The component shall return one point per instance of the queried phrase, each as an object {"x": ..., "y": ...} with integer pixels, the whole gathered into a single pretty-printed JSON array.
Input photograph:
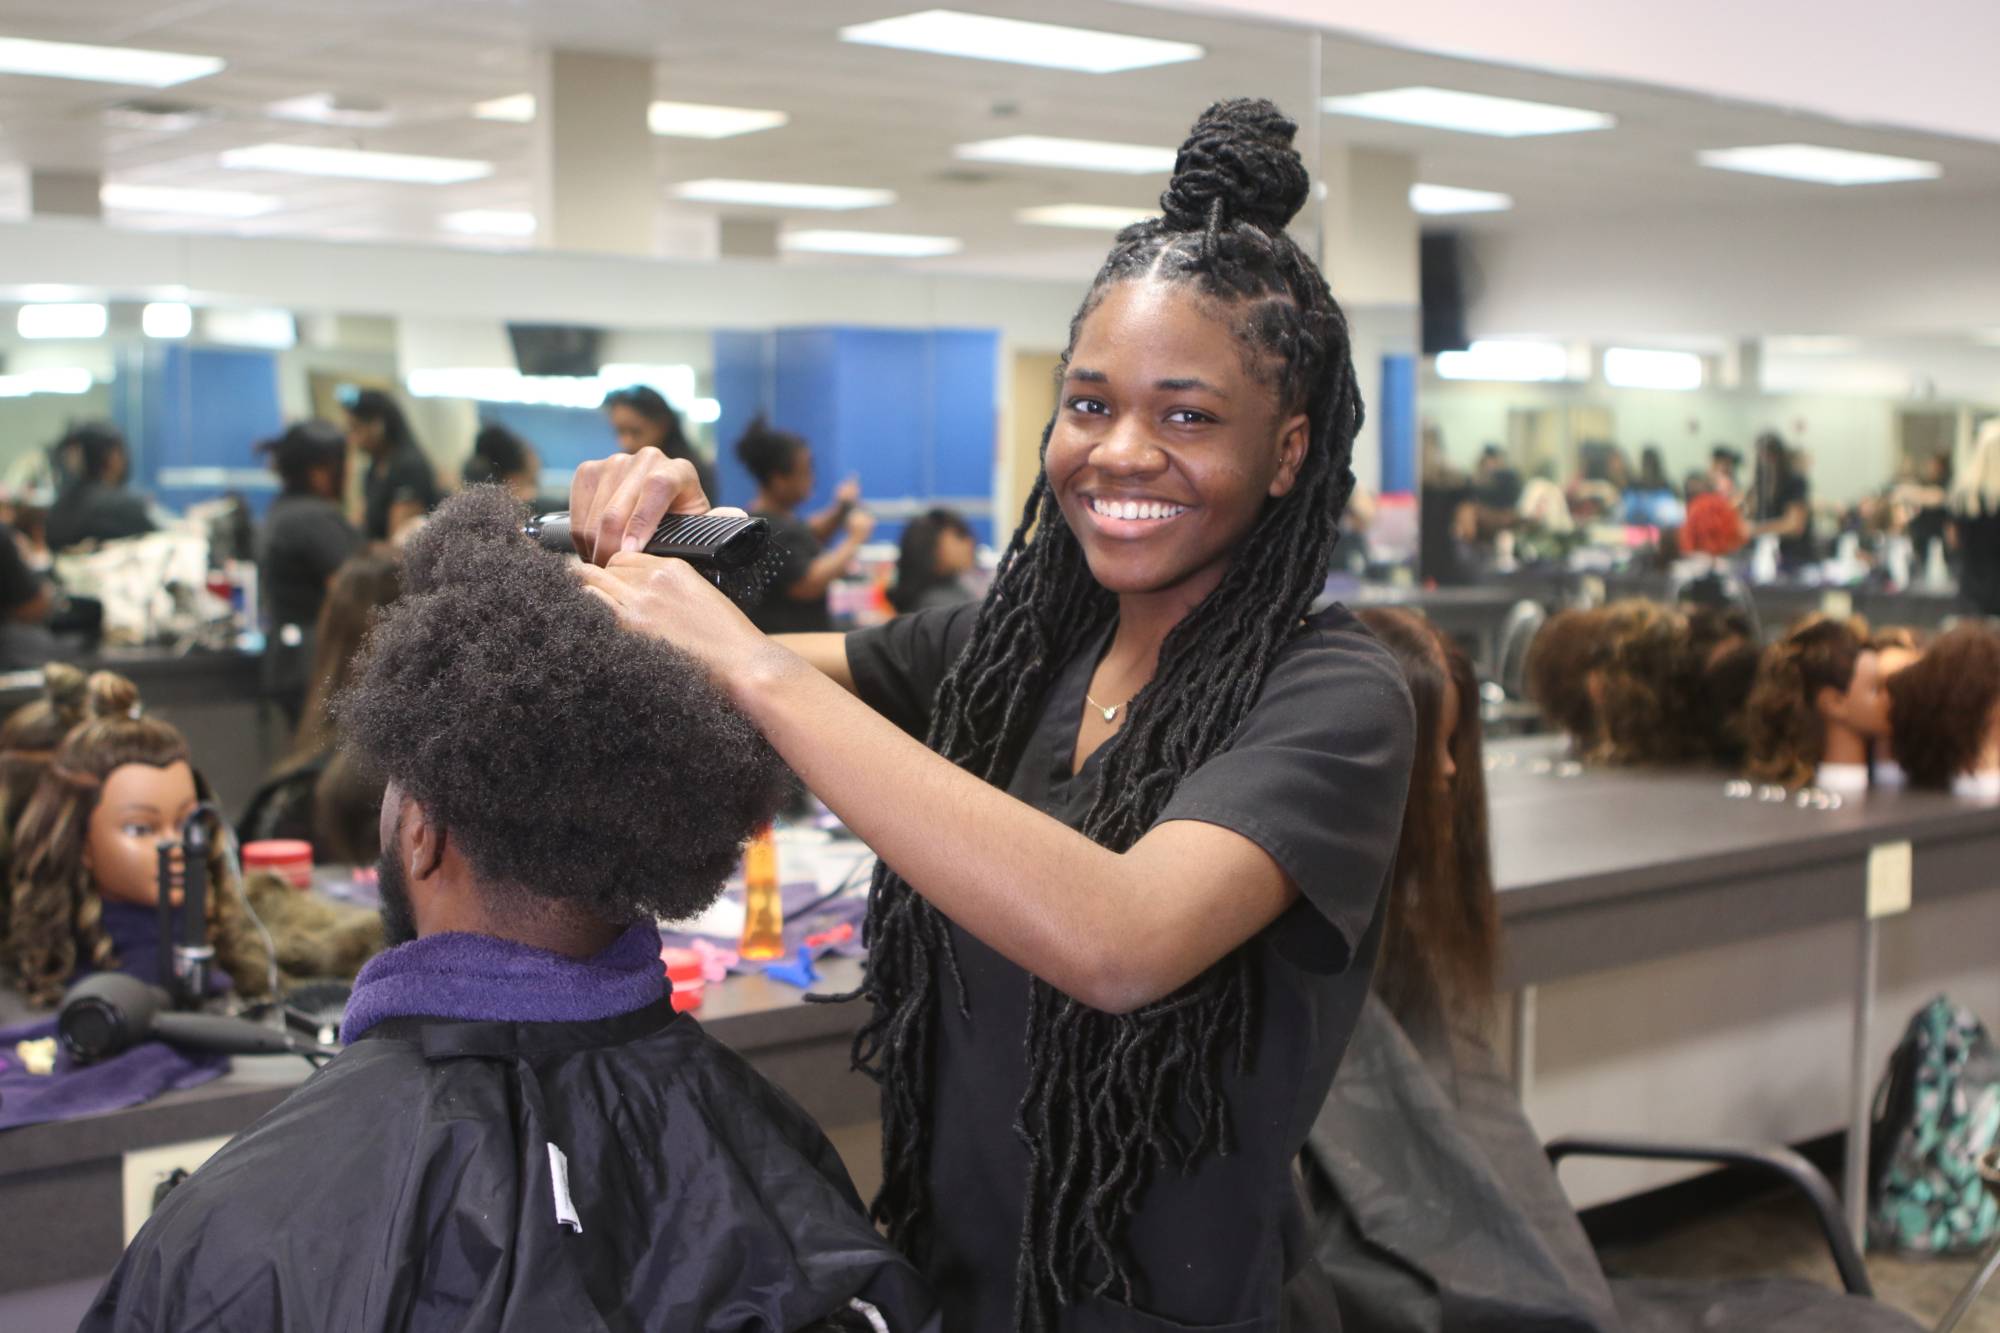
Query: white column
[
  {"x": 1369, "y": 256},
  {"x": 595, "y": 185}
]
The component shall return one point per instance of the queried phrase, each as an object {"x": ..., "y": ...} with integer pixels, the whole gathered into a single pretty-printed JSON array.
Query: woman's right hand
[{"x": 616, "y": 503}]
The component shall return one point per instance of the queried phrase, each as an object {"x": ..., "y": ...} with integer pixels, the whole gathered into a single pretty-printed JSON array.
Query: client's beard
[{"x": 399, "y": 924}]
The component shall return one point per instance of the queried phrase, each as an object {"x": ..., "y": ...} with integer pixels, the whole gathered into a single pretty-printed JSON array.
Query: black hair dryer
[{"x": 187, "y": 959}]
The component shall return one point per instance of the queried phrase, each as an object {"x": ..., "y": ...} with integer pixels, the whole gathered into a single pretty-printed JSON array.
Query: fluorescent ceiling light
[
  {"x": 489, "y": 222},
  {"x": 193, "y": 203},
  {"x": 1435, "y": 200},
  {"x": 946, "y": 32},
  {"x": 250, "y": 328},
  {"x": 1523, "y": 362},
  {"x": 167, "y": 319},
  {"x": 355, "y": 163},
  {"x": 103, "y": 64},
  {"x": 74, "y": 320},
  {"x": 1085, "y": 217},
  {"x": 693, "y": 120},
  {"x": 48, "y": 379},
  {"x": 327, "y": 109},
  {"x": 1821, "y": 166},
  {"x": 1035, "y": 150},
  {"x": 1643, "y": 368},
  {"x": 1468, "y": 113},
  {"x": 886, "y": 244},
  {"x": 1810, "y": 344},
  {"x": 677, "y": 120},
  {"x": 518, "y": 108},
  {"x": 782, "y": 194},
  {"x": 504, "y": 384}
]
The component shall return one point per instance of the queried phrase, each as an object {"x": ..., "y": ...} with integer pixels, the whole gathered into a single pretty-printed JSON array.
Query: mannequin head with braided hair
[{"x": 1194, "y": 474}]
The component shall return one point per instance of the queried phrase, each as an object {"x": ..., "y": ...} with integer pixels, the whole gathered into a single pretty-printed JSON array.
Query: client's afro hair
[{"x": 573, "y": 760}]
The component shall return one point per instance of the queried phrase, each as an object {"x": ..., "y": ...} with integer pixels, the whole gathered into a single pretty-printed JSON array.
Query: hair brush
[{"x": 733, "y": 552}]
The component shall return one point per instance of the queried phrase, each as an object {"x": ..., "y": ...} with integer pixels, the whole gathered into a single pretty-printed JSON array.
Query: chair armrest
[{"x": 1781, "y": 1163}]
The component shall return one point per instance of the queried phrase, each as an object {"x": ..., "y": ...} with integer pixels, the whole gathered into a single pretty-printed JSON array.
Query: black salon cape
[{"x": 408, "y": 1185}]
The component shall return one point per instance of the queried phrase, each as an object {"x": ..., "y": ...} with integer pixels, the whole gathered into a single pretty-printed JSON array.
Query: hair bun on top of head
[
  {"x": 111, "y": 695},
  {"x": 1239, "y": 155},
  {"x": 67, "y": 691}
]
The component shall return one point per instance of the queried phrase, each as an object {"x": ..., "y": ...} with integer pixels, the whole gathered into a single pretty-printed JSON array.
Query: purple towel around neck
[{"x": 484, "y": 979}]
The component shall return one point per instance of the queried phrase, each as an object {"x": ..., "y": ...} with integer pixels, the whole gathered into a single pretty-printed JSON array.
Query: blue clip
[{"x": 801, "y": 974}]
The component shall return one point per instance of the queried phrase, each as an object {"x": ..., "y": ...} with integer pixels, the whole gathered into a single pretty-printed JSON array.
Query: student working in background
[
  {"x": 305, "y": 539},
  {"x": 400, "y": 485},
  {"x": 96, "y": 507},
  {"x": 782, "y": 465},
  {"x": 641, "y": 417}
]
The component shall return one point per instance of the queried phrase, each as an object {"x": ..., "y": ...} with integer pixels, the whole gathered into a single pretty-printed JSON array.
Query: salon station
[{"x": 583, "y": 558}]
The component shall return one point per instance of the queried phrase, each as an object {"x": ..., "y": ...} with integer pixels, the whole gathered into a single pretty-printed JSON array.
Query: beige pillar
[
  {"x": 747, "y": 238},
  {"x": 1370, "y": 261},
  {"x": 594, "y": 179}
]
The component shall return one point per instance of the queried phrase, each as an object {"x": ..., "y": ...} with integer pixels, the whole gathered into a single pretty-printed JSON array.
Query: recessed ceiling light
[
  {"x": 516, "y": 107},
  {"x": 782, "y": 194},
  {"x": 355, "y": 163},
  {"x": 70, "y": 320},
  {"x": 1645, "y": 368},
  {"x": 45, "y": 379},
  {"x": 103, "y": 64},
  {"x": 167, "y": 319},
  {"x": 327, "y": 109},
  {"x": 946, "y": 32},
  {"x": 251, "y": 328},
  {"x": 1085, "y": 217},
  {"x": 693, "y": 120},
  {"x": 489, "y": 222},
  {"x": 1035, "y": 150},
  {"x": 1523, "y": 362},
  {"x": 1821, "y": 166},
  {"x": 1436, "y": 200},
  {"x": 880, "y": 243},
  {"x": 120, "y": 197},
  {"x": 1469, "y": 113}
]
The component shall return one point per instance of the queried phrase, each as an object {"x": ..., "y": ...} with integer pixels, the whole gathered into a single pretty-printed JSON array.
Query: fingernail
[{"x": 631, "y": 543}]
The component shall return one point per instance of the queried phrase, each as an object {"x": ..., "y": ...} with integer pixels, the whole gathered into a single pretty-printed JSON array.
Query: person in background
[
  {"x": 1723, "y": 465},
  {"x": 502, "y": 458},
  {"x": 782, "y": 465},
  {"x": 306, "y": 538},
  {"x": 1650, "y": 500},
  {"x": 1975, "y": 521},
  {"x": 96, "y": 507},
  {"x": 1497, "y": 484},
  {"x": 26, "y": 598},
  {"x": 938, "y": 550},
  {"x": 1447, "y": 520},
  {"x": 641, "y": 417},
  {"x": 400, "y": 486},
  {"x": 1925, "y": 503},
  {"x": 1780, "y": 502}
]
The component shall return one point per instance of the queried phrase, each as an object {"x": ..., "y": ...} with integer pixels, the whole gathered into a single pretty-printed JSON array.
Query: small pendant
[{"x": 1111, "y": 713}]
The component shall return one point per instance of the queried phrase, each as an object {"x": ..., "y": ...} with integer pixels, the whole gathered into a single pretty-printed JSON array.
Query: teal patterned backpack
[{"x": 1936, "y": 1113}]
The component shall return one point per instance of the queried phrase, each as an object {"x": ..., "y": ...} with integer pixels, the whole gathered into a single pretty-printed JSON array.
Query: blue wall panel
[
  {"x": 205, "y": 409},
  {"x": 1397, "y": 412}
]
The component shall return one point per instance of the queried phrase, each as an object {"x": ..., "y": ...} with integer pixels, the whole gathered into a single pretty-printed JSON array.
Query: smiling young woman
[{"x": 1131, "y": 877}]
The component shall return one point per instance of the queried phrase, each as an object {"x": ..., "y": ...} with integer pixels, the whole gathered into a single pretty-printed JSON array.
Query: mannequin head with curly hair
[
  {"x": 551, "y": 776},
  {"x": 1944, "y": 708},
  {"x": 1817, "y": 700},
  {"x": 1558, "y": 673},
  {"x": 117, "y": 785},
  {"x": 28, "y": 741},
  {"x": 1641, "y": 683}
]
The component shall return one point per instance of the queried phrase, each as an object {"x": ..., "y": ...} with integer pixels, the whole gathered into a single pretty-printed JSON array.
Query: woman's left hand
[{"x": 669, "y": 600}]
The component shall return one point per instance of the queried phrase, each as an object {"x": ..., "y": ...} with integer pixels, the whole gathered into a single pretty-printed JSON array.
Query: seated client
[{"x": 521, "y": 1133}]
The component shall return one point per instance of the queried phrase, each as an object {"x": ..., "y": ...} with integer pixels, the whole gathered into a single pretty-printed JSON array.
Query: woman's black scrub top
[{"x": 1315, "y": 776}]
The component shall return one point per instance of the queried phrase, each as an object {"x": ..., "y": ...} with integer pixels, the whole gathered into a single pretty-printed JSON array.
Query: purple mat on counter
[
  {"x": 137, "y": 1075},
  {"x": 846, "y": 910}
]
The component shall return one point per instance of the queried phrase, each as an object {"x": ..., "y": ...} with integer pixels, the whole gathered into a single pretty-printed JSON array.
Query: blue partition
[
  {"x": 202, "y": 412},
  {"x": 1396, "y": 410},
  {"x": 912, "y": 413}
]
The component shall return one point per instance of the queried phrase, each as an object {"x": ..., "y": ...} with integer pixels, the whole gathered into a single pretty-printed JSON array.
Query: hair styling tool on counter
[
  {"x": 187, "y": 959},
  {"x": 735, "y": 553},
  {"x": 107, "y": 1012}
]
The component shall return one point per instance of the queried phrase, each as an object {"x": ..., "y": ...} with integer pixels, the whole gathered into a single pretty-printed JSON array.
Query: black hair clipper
[
  {"x": 712, "y": 543},
  {"x": 734, "y": 553}
]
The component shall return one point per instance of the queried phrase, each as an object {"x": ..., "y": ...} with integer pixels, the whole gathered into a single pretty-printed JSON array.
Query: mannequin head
[
  {"x": 1945, "y": 708},
  {"x": 1641, "y": 684},
  {"x": 117, "y": 785},
  {"x": 30, "y": 735},
  {"x": 1440, "y": 943},
  {"x": 1814, "y": 701},
  {"x": 1896, "y": 647},
  {"x": 1722, "y": 657},
  {"x": 1558, "y": 671}
]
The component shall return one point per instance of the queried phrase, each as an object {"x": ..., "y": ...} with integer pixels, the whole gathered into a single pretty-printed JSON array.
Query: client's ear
[{"x": 422, "y": 841}]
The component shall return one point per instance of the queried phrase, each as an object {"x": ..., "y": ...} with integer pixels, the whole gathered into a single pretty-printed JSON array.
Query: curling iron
[{"x": 187, "y": 959}]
